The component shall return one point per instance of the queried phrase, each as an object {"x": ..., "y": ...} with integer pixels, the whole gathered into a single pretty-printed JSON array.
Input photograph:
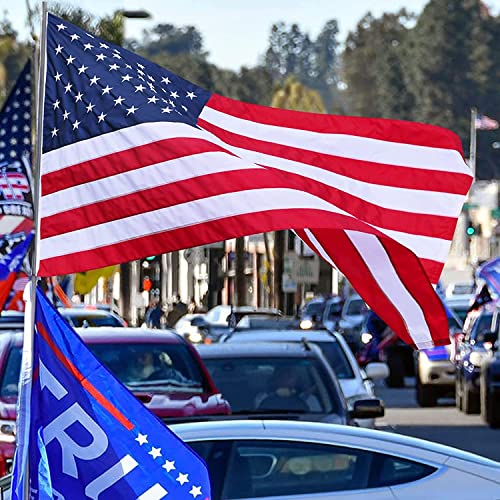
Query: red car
[{"x": 163, "y": 370}]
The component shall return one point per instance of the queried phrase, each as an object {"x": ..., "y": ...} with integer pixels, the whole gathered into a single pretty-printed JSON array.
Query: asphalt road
[{"x": 442, "y": 424}]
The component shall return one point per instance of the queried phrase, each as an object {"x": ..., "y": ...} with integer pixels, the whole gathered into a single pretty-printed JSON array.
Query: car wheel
[
  {"x": 396, "y": 366},
  {"x": 426, "y": 394},
  {"x": 470, "y": 401}
]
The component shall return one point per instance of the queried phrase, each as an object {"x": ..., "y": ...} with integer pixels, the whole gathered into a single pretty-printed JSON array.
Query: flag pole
[
  {"x": 24, "y": 405},
  {"x": 473, "y": 146}
]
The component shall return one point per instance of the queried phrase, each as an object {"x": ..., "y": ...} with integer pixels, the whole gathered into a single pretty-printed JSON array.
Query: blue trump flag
[
  {"x": 490, "y": 272},
  {"x": 89, "y": 437}
]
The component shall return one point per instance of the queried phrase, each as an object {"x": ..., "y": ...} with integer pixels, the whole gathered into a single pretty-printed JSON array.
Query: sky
[{"x": 235, "y": 32}]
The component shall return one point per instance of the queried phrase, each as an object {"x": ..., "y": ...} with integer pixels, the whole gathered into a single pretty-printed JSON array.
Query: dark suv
[
  {"x": 282, "y": 380},
  {"x": 471, "y": 352}
]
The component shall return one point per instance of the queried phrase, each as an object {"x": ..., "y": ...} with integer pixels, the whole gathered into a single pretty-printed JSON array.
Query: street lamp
[{"x": 135, "y": 14}]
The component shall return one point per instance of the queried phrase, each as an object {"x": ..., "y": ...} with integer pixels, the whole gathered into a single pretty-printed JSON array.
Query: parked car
[
  {"x": 434, "y": 368},
  {"x": 287, "y": 380},
  {"x": 470, "y": 355},
  {"x": 186, "y": 329},
  {"x": 352, "y": 317},
  {"x": 309, "y": 461},
  {"x": 91, "y": 316},
  {"x": 355, "y": 382},
  {"x": 163, "y": 370},
  {"x": 223, "y": 318}
]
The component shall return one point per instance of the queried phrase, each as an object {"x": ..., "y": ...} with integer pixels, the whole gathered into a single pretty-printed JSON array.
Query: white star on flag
[
  {"x": 155, "y": 452},
  {"x": 195, "y": 491},
  {"x": 142, "y": 439},
  {"x": 182, "y": 478},
  {"x": 169, "y": 465}
]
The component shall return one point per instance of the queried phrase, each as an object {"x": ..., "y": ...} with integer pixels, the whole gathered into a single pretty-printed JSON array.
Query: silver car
[{"x": 311, "y": 461}]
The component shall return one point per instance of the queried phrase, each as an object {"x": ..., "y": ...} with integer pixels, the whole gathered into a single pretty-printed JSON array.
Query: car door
[{"x": 269, "y": 469}]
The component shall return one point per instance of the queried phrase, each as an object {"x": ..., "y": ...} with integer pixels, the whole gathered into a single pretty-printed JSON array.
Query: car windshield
[
  {"x": 337, "y": 359},
  {"x": 274, "y": 385},
  {"x": 152, "y": 366},
  {"x": 93, "y": 320},
  {"x": 313, "y": 309},
  {"x": 482, "y": 325},
  {"x": 355, "y": 307}
]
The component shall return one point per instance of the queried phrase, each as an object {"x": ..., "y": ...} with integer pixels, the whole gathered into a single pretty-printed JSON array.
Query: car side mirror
[
  {"x": 367, "y": 408},
  {"x": 198, "y": 321},
  {"x": 377, "y": 371}
]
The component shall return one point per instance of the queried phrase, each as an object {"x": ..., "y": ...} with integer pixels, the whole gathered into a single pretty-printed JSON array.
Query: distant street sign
[
  {"x": 495, "y": 213},
  {"x": 468, "y": 206}
]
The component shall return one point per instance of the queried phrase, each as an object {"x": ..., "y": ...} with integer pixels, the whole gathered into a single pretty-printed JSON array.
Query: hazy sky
[{"x": 235, "y": 32}]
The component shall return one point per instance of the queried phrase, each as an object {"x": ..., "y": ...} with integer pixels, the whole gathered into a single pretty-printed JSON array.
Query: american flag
[
  {"x": 484, "y": 122},
  {"x": 137, "y": 161},
  {"x": 16, "y": 206}
]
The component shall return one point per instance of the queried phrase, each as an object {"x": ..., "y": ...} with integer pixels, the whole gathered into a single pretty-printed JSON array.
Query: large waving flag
[
  {"x": 137, "y": 161},
  {"x": 13, "y": 250},
  {"x": 87, "y": 436},
  {"x": 16, "y": 204}
]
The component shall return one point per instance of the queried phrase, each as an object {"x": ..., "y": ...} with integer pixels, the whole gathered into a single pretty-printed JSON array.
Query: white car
[
  {"x": 355, "y": 382},
  {"x": 283, "y": 460},
  {"x": 185, "y": 329}
]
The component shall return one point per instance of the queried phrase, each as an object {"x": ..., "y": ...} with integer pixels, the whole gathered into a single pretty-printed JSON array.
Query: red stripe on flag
[
  {"x": 124, "y": 161},
  {"x": 371, "y": 172},
  {"x": 400, "y": 131},
  {"x": 105, "y": 403}
]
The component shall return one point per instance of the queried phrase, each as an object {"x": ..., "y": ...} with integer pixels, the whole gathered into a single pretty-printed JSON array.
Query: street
[{"x": 443, "y": 424}]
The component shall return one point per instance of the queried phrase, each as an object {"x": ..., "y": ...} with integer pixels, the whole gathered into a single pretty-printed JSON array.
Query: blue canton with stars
[
  {"x": 94, "y": 87},
  {"x": 15, "y": 149},
  {"x": 89, "y": 436}
]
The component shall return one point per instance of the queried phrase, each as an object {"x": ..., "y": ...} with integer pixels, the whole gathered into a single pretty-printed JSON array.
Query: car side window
[
  {"x": 391, "y": 471},
  {"x": 281, "y": 468},
  {"x": 215, "y": 454}
]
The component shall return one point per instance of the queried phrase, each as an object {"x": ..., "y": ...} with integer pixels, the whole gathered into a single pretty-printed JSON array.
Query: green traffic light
[
  {"x": 151, "y": 257},
  {"x": 470, "y": 231}
]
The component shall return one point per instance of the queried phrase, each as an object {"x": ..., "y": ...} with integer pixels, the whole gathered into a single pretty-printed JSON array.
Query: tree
[
  {"x": 313, "y": 63},
  {"x": 373, "y": 67}
]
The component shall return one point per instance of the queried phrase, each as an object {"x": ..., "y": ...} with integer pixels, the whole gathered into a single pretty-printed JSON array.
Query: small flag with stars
[
  {"x": 87, "y": 436},
  {"x": 15, "y": 149}
]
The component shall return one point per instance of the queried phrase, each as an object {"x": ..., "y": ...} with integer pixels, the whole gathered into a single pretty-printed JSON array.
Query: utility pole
[
  {"x": 240, "y": 281},
  {"x": 278, "y": 257}
]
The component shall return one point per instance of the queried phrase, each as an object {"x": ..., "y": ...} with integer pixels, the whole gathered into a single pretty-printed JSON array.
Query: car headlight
[
  {"x": 366, "y": 337},
  {"x": 306, "y": 324},
  {"x": 195, "y": 337},
  {"x": 7, "y": 431}
]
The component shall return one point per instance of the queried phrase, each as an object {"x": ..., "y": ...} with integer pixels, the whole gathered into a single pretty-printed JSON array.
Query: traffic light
[{"x": 471, "y": 230}]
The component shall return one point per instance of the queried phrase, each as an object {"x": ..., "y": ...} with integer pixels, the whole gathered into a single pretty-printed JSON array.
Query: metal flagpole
[
  {"x": 24, "y": 407},
  {"x": 473, "y": 147}
]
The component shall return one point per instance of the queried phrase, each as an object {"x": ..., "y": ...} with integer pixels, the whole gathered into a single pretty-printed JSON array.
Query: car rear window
[
  {"x": 263, "y": 385},
  {"x": 163, "y": 366},
  {"x": 93, "y": 320},
  {"x": 313, "y": 309},
  {"x": 10, "y": 378}
]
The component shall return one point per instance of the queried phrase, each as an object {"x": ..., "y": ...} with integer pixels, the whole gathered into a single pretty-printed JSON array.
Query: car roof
[
  {"x": 258, "y": 349},
  {"x": 81, "y": 311},
  {"x": 283, "y": 335},
  {"x": 306, "y": 430},
  {"x": 121, "y": 335}
]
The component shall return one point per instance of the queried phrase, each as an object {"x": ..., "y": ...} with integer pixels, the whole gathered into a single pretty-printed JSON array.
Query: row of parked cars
[{"x": 292, "y": 401}]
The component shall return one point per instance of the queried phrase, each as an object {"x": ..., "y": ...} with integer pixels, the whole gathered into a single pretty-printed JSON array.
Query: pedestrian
[
  {"x": 192, "y": 307},
  {"x": 154, "y": 316},
  {"x": 178, "y": 310}
]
